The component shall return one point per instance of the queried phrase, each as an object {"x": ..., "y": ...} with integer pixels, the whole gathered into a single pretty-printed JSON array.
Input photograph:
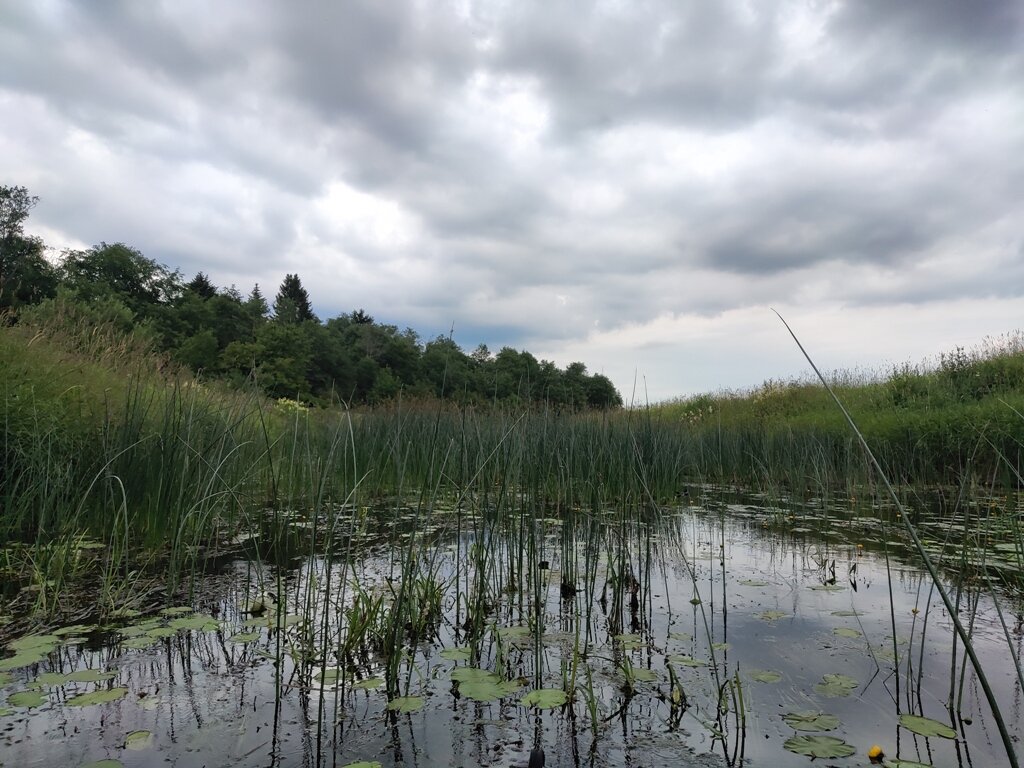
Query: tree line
[{"x": 281, "y": 345}]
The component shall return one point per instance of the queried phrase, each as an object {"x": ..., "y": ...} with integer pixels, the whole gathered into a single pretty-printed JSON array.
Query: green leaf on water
[
  {"x": 473, "y": 675},
  {"x": 455, "y": 654},
  {"x": 510, "y": 632},
  {"x": 364, "y": 764},
  {"x": 846, "y": 613},
  {"x": 846, "y": 632},
  {"x": 160, "y": 632},
  {"x": 368, "y": 684},
  {"x": 685, "y": 661},
  {"x": 406, "y": 704},
  {"x": 836, "y": 685},
  {"x": 52, "y": 678},
  {"x": 97, "y": 697},
  {"x": 6, "y": 711},
  {"x": 811, "y": 721},
  {"x": 720, "y": 646},
  {"x": 142, "y": 641},
  {"x": 644, "y": 675},
  {"x": 488, "y": 690},
  {"x": 26, "y": 699},
  {"x": 828, "y": 587},
  {"x": 22, "y": 659},
  {"x": 108, "y": 763},
  {"x": 753, "y": 582},
  {"x": 897, "y": 763},
  {"x": 629, "y": 641},
  {"x": 329, "y": 676},
  {"x": 177, "y": 610},
  {"x": 74, "y": 629},
  {"x": 41, "y": 643},
  {"x": 91, "y": 676},
  {"x": 138, "y": 740},
  {"x": 198, "y": 622},
  {"x": 925, "y": 726},
  {"x": 545, "y": 698},
  {"x": 772, "y": 615},
  {"x": 244, "y": 637},
  {"x": 4, "y": 679},
  {"x": 681, "y": 636},
  {"x": 765, "y": 675},
  {"x": 819, "y": 746}
]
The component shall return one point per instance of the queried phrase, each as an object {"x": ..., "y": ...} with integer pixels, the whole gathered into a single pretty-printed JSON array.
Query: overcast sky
[{"x": 630, "y": 184}]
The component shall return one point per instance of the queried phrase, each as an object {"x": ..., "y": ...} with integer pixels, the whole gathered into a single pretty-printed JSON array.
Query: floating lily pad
[
  {"x": 22, "y": 659},
  {"x": 836, "y": 685},
  {"x": 138, "y": 740},
  {"x": 97, "y": 697},
  {"x": 160, "y": 632},
  {"x": 368, "y": 684},
  {"x": 765, "y": 675},
  {"x": 455, "y": 654},
  {"x": 753, "y": 582},
  {"x": 244, "y": 637},
  {"x": 177, "y": 610},
  {"x": 925, "y": 726},
  {"x": 43, "y": 643},
  {"x": 142, "y": 641},
  {"x": 516, "y": 631},
  {"x": 52, "y": 678},
  {"x": 91, "y": 676},
  {"x": 681, "y": 636},
  {"x": 126, "y": 613},
  {"x": 846, "y": 632},
  {"x": 644, "y": 675},
  {"x": 685, "y": 661},
  {"x": 811, "y": 721},
  {"x": 74, "y": 629},
  {"x": 772, "y": 615},
  {"x": 406, "y": 704},
  {"x": 720, "y": 646},
  {"x": 819, "y": 746},
  {"x": 545, "y": 698},
  {"x": 473, "y": 675},
  {"x": 6, "y": 711},
  {"x": 329, "y": 676},
  {"x": 108, "y": 763},
  {"x": 4, "y": 679},
  {"x": 897, "y": 763},
  {"x": 198, "y": 622},
  {"x": 364, "y": 764},
  {"x": 828, "y": 587},
  {"x": 26, "y": 699},
  {"x": 846, "y": 613},
  {"x": 629, "y": 641},
  {"x": 488, "y": 690}
]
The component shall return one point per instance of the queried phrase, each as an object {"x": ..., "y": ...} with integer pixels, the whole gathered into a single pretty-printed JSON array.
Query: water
[{"x": 719, "y": 592}]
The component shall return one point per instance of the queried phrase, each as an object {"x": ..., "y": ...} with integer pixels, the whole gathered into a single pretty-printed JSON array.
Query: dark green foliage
[
  {"x": 292, "y": 302},
  {"x": 26, "y": 277}
]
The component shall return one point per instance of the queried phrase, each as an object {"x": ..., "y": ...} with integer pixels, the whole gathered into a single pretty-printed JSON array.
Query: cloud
[{"x": 570, "y": 182}]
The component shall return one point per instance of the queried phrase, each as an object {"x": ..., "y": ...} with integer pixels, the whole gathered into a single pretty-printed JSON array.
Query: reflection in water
[{"x": 684, "y": 641}]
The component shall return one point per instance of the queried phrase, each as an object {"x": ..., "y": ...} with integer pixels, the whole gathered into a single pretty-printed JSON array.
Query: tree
[
  {"x": 201, "y": 286},
  {"x": 26, "y": 277},
  {"x": 121, "y": 272},
  {"x": 292, "y": 302}
]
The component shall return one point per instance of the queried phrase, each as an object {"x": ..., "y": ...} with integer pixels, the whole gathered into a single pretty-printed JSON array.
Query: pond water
[{"x": 723, "y": 632}]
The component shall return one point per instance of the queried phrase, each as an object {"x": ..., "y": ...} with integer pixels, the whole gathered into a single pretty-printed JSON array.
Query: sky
[{"x": 634, "y": 185}]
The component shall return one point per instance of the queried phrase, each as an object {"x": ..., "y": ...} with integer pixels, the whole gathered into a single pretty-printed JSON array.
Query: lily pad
[
  {"x": 177, "y": 610},
  {"x": 43, "y": 643},
  {"x": 138, "y": 740},
  {"x": 368, "y": 684},
  {"x": 142, "y": 641},
  {"x": 108, "y": 763},
  {"x": 515, "y": 631},
  {"x": 160, "y": 632},
  {"x": 4, "y": 679},
  {"x": 765, "y": 675},
  {"x": 545, "y": 698},
  {"x": 897, "y": 763},
  {"x": 329, "y": 676},
  {"x": 828, "y": 588},
  {"x": 685, "y": 661},
  {"x": 26, "y": 699},
  {"x": 681, "y": 636},
  {"x": 488, "y": 690},
  {"x": 846, "y": 632},
  {"x": 644, "y": 675},
  {"x": 819, "y": 746},
  {"x": 455, "y": 654},
  {"x": 74, "y": 629},
  {"x": 97, "y": 697},
  {"x": 406, "y": 704},
  {"x": 720, "y": 646},
  {"x": 244, "y": 637},
  {"x": 198, "y": 622},
  {"x": 52, "y": 678},
  {"x": 6, "y": 711},
  {"x": 364, "y": 764},
  {"x": 22, "y": 659},
  {"x": 846, "y": 613},
  {"x": 811, "y": 721},
  {"x": 925, "y": 726},
  {"x": 753, "y": 582},
  {"x": 772, "y": 615},
  {"x": 474, "y": 675},
  {"x": 836, "y": 685}
]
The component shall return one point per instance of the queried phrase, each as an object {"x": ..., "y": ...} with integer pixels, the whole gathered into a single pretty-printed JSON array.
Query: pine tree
[{"x": 292, "y": 302}]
